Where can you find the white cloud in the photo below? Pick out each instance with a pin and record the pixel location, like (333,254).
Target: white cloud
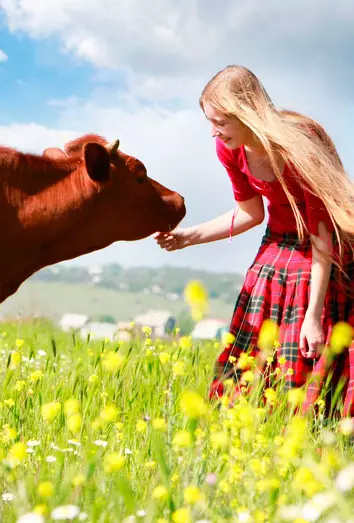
(3,56)
(32,137)
(192,38)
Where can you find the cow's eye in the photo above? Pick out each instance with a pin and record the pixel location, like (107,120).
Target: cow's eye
(140,173)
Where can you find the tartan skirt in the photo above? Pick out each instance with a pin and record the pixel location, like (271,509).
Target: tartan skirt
(277,287)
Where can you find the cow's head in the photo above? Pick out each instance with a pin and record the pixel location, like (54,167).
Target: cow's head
(129,205)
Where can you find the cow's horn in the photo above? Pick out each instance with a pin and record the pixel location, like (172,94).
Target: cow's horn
(113,146)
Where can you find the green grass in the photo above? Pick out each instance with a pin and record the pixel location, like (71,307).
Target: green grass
(251,463)
(54,299)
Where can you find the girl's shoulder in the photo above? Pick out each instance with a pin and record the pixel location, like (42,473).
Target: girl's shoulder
(228,157)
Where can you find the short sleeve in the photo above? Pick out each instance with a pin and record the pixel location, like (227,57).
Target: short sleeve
(241,186)
(316,213)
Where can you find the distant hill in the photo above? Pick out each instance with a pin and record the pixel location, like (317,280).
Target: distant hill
(165,281)
(119,293)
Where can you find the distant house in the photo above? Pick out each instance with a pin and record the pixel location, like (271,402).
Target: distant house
(98,330)
(72,321)
(209,329)
(161,322)
(124,330)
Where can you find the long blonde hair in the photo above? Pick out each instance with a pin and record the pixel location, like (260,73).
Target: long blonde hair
(300,141)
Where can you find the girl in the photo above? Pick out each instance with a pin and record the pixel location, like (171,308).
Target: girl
(303,274)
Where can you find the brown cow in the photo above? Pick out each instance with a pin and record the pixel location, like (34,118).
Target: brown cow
(64,204)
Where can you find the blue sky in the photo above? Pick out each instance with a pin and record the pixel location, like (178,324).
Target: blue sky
(35,72)
(135,70)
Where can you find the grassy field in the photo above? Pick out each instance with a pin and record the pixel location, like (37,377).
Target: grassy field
(101,432)
(54,299)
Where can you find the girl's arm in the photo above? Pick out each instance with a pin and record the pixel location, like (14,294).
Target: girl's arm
(320,270)
(311,334)
(249,214)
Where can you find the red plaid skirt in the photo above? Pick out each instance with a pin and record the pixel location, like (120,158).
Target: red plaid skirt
(277,286)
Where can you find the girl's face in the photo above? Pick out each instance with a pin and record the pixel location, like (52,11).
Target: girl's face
(229,129)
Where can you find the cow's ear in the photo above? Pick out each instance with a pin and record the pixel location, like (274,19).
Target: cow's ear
(97,161)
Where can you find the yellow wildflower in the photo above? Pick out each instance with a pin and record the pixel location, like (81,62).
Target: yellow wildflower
(78,480)
(282,360)
(71,406)
(74,422)
(19,343)
(45,489)
(112,361)
(175,478)
(270,395)
(227,338)
(141,426)
(341,337)
(160,492)
(50,410)
(8,433)
(41,509)
(159,424)
(196,296)
(113,462)
(182,515)
(192,495)
(93,379)
(268,335)
(18,452)
(182,439)
(36,376)
(20,385)
(150,465)
(193,405)
(147,330)
(178,368)
(164,357)
(305,481)
(15,360)
(185,342)
(109,413)
(243,361)
(248,376)
(296,396)
(219,440)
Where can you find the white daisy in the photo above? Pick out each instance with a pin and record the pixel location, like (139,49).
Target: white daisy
(33,443)
(65,512)
(7,496)
(74,442)
(345,478)
(101,443)
(31,517)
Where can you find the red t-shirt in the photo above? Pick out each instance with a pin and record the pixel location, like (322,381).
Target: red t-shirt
(281,217)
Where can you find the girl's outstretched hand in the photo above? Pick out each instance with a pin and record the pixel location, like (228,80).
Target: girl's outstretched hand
(172,241)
